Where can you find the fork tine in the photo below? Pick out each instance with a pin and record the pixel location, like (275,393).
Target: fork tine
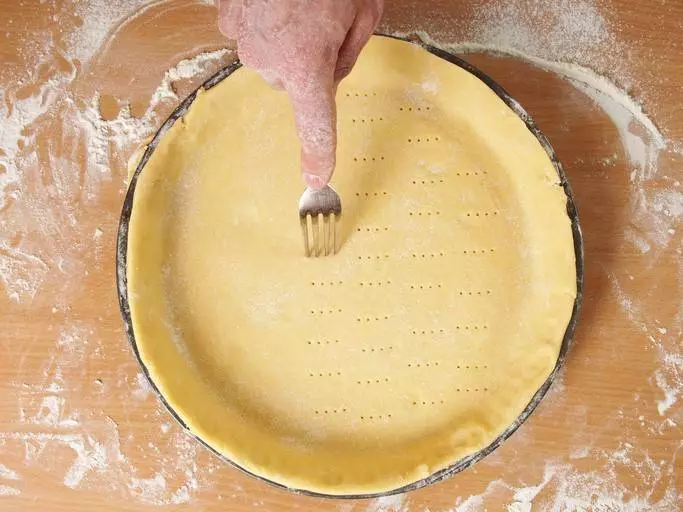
(316,234)
(332,239)
(304,231)
(321,232)
(333,234)
(326,234)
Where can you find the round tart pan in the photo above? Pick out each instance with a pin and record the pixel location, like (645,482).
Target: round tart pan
(454,466)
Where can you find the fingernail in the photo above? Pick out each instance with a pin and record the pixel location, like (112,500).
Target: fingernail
(314,181)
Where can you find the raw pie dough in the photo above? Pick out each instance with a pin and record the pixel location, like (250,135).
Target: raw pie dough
(415,346)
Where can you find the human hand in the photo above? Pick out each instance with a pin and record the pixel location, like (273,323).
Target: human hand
(305,47)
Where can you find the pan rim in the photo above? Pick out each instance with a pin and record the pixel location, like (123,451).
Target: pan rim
(455,467)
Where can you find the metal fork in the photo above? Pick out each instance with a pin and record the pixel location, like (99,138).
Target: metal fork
(319,213)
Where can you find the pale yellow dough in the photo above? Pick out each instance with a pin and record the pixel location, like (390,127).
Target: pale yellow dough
(419,343)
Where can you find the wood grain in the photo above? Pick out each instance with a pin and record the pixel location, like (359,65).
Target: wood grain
(69,335)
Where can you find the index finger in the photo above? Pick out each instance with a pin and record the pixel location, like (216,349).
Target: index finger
(315,114)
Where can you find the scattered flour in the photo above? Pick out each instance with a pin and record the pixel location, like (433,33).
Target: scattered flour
(476,502)
(669,376)
(574,41)
(99,463)
(27,125)
(670,381)
(100,18)
(185,69)
(395,503)
(8,474)
(6,490)
(640,242)
(524,496)
(142,388)
(558,30)
(569,489)
(562,487)
(20,273)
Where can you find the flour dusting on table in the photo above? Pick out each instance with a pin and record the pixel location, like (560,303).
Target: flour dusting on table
(36,116)
(58,154)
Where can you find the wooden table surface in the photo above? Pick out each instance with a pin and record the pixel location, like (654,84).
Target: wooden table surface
(83,83)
